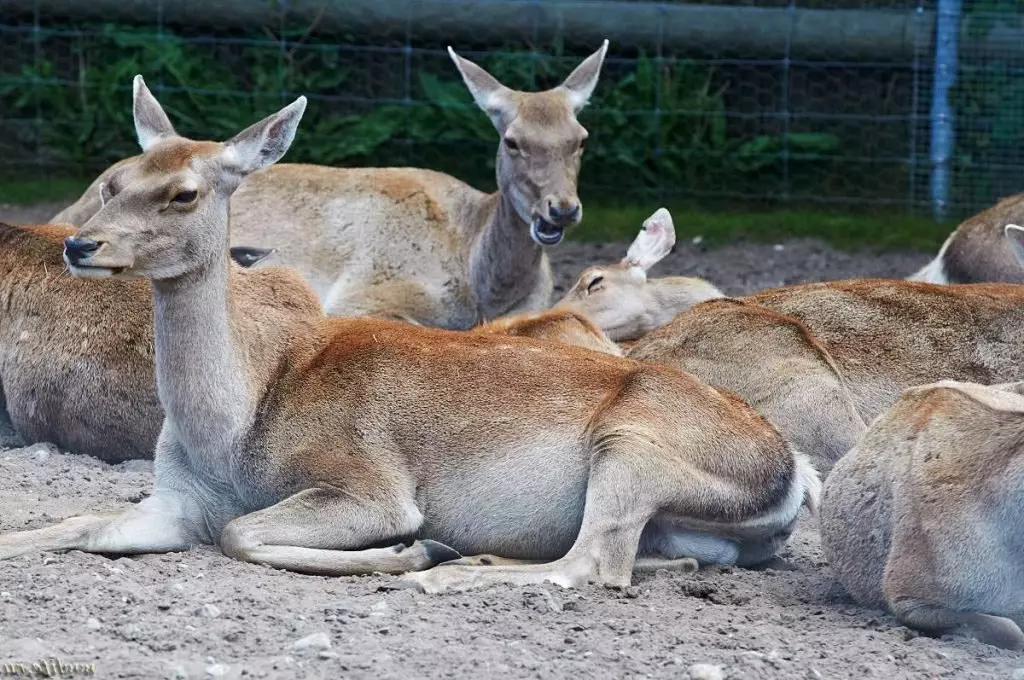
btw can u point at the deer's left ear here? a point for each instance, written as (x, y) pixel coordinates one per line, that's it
(151, 123)
(581, 82)
(655, 241)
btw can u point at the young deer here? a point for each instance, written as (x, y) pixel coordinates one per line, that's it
(977, 251)
(923, 517)
(302, 442)
(76, 357)
(620, 298)
(820, 360)
(416, 244)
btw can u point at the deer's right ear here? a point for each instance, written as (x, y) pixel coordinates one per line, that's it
(1015, 236)
(151, 123)
(489, 94)
(655, 241)
(264, 143)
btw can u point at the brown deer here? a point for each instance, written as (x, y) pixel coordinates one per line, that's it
(923, 516)
(978, 251)
(301, 442)
(820, 360)
(416, 244)
(566, 326)
(620, 298)
(76, 356)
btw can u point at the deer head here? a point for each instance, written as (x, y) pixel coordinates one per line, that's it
(620, 298)
(167, 214)
(541, 143)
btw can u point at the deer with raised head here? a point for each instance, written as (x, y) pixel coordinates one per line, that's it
(420, 245)
(620, 298)
(820, 360)
(76, 356)
(301, 443)
(923, 516)
(978, 250)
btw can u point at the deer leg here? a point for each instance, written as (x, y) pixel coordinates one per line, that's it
(684, 565)
(614, 516)
(167, 521)
(324, 532)
(935, 619)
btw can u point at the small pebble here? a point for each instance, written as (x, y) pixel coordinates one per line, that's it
(93, 623)
(210, 611)
(218, 669)
(706, 671)
(314, 641)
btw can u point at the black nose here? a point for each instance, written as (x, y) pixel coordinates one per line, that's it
(77, 248)
(563, 215)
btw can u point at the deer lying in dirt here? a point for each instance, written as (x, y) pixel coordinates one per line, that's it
(620, 298)
(416, 244)
(977, 251)
(821, 360)
(923, 517)
(76, 357)
(298, 442)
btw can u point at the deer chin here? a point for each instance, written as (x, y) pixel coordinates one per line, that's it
(546, 234)
(91, 272)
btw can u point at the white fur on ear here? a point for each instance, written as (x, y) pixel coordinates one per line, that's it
(581, 82)
(104, 194)
(1015, 235)
(488, 93)
(264, 143)
(655, 241)
(151, 123)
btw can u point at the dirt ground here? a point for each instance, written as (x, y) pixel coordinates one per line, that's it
(198, 614)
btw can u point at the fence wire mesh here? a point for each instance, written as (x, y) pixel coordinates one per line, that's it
(744, 101)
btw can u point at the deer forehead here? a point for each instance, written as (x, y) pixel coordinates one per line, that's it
(545, 116)
(175, 155)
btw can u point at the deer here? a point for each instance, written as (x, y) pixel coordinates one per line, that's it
(621, 299)
(923, 516)
(565, 326)
(977, 250)
(822, 360)
(322, 445)
(415, 244)
(76, 356)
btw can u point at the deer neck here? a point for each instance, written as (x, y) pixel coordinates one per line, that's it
(668, 296)
(505, 263)
(201, 377)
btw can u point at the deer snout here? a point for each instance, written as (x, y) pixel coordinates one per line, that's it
(564, 211)
(77, 249)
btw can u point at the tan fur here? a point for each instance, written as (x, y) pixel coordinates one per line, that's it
(300, 443)
(76, 356)
(977, 251)
(565, 326)
(415, 244)
(822, 359)
(923, 516)
(623, 301)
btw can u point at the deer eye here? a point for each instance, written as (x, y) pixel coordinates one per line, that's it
(185, 197)
(511, 145)
(594, 283)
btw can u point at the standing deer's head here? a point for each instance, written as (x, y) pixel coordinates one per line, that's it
(541, 143)
(166, 214)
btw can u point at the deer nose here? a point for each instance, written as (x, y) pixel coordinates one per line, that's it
(564, 213)
(78, 248)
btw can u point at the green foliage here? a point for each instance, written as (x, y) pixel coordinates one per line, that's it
(662, 124)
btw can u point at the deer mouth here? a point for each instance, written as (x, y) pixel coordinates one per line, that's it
(546, 234)
(87, 271)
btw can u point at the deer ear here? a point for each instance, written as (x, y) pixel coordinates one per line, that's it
(655, 241)
(151, 123)
(581, 82)
(264, 143)
(247, 256)
(1015, 236)
(489, 94)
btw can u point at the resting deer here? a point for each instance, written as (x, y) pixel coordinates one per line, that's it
(566, 326)
(620, 298)
(977, 251)
(76, 357)
(301, 443)
(820, 360)
(416, 244)
(923, 517)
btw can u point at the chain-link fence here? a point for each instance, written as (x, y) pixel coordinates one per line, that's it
(843, 102)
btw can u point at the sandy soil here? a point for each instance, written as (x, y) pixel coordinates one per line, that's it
(198, 614)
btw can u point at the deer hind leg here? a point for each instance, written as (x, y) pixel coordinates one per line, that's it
(325, 532)
(167, 521)
(936, 619)
(684, 565)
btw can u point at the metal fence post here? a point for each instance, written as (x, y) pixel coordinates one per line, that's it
(947, 27)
